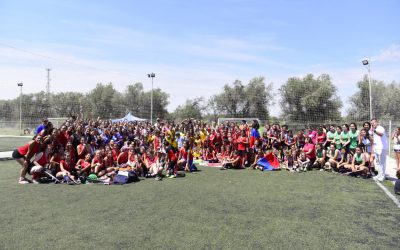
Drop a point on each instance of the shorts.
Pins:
(241, 153)
(17, 155)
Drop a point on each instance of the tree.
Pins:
(66, 103)
(385, 100)
(133, 98)
(101, 98)
(191, 109)
(310, 100)
(160, 103)
(251, 100)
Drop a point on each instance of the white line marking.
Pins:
(391, 196)
(17, 136)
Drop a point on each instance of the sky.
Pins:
(194, 47)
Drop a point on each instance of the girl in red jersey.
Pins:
(84, 165)
(234, 162)
(172, 166)
(67, 167)
(98, 164)
(71, 150)
(115, 150)
(82, 148)
(40, 163)
(23, 155)
(185, 157)
(153, 165)
(109, 162)
(210, 156)
(122, 158)
(242, 143)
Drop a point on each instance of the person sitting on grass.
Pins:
(109, 162)
(258, 156)
(303, 162)
(40, 163)
(234, 162)
(320, 157)
(210, 156)
(346, 163)
(153, 166)
(397, 183)
(122, 158)
(171, 161)
(333, 156)
(358, 164)
(83, 166)
(23, 155)
(185, 157)
(98, 164)
(67, 168)
(55, 159)
(290, 160)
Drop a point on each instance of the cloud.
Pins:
(390, 54)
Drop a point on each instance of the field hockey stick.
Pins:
(51, 176)
(73, 180)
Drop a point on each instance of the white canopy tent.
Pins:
(130, 118)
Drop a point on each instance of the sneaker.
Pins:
(35, 181)
(321, 170)
(172, 176)
(304, 169)
(223, 168)
(23, 181)
(158, 178)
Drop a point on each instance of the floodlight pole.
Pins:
(368, 63)
(151, 75)
(20, 107)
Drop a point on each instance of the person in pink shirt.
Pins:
(312, 134)
(309, 150)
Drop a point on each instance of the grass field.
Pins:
(242, 209)
(11, 143)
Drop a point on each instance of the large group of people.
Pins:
(80, 148)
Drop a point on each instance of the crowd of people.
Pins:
(80, 148)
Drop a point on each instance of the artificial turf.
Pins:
(11, 143)
(211, 209)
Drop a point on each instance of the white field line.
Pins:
(391, 196)
(17, 136)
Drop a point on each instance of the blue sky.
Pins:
(194, 47)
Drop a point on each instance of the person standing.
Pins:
(380, 148)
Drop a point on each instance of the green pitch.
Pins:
(210, 209)
(11, 143)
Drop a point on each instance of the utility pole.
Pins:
(151, 75)
(367, 62)
(20, 107)
(48, 84)
(48, 104)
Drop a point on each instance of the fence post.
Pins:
(390, 136)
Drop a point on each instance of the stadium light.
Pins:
(367, 63)
(20, 106)
(151, 75)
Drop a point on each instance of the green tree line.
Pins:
(302, 100)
